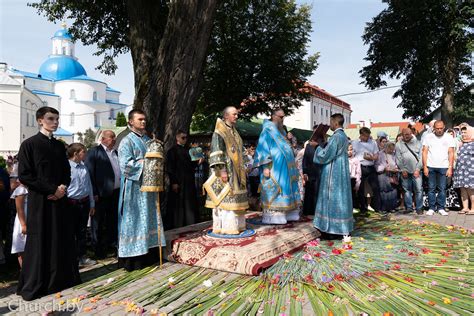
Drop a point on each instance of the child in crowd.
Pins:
(20, 195)
(355, 171)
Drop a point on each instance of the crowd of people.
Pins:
(58, 193)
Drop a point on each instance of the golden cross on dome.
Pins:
(64, 25)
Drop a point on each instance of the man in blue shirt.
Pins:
(81, 199)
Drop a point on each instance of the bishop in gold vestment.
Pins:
(227, 195)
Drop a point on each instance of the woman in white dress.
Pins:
(19, 229)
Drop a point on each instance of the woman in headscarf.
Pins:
(387, 171)
(464, 172)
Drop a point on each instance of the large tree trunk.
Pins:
(168, 78)
(147, 26)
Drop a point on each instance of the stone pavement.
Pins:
(466, 221)
(11, 304)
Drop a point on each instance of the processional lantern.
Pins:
(153, 179)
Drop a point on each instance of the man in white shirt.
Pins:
(366, 151)
(438, 159)
(103, 165)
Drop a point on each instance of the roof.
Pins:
(6, 80)
(62, 132)
(28, 74)
(61, 67)
(112, 90)
(323, 94)
(400, 125)
(115, 103)
(392, 132)
(45, 93)
(62, 33)
(83, 77)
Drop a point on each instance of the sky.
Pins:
(337, 29)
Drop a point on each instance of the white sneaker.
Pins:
(84, 262)
(443, 212)
(430, 213)
(370, 208)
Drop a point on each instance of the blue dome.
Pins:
(63, 33)
(60, 67)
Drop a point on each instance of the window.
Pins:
(96, 120)
(64, 50)
(27, 119)
(321, 112)
(327, 115)
(72, 94)
(45, 103)
(32, 120)
(72, 118)
(112, 114)
(94, 96)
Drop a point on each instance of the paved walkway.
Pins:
(11, 304)
(466, 221)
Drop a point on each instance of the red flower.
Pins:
(330, 243)
(347, 247)
(371, 286)
(287, 256)
(403, 250)
(412, 254)
(408, 279)
(396, 267)
(331, 287)
(317, 254)
(338, 277)
(444, 260)
(426, 250)
(309, 278)
(406, 238)
(336, 251)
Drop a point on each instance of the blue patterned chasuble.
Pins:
(280, 192)
(137, 216)
(334, 206)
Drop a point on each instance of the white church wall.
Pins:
(10, 131)
(112, 96)
(39, 84)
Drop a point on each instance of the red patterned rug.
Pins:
(192, 246)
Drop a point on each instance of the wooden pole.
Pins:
(158, 220)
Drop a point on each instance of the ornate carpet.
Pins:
(192, 246)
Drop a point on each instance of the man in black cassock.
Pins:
(49, 259)
(311, 173)
(182, 208)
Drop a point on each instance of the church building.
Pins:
(62, 83)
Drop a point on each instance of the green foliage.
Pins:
(80, 137)
(121, 120)
(428, 44)
(89, 138)
(3, 162)
(257, 57)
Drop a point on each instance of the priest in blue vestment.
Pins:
(333, 215)
(137, 214)
(280, 196)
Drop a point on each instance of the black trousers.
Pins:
(370, 174)
(81, 216)
(104, 223)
